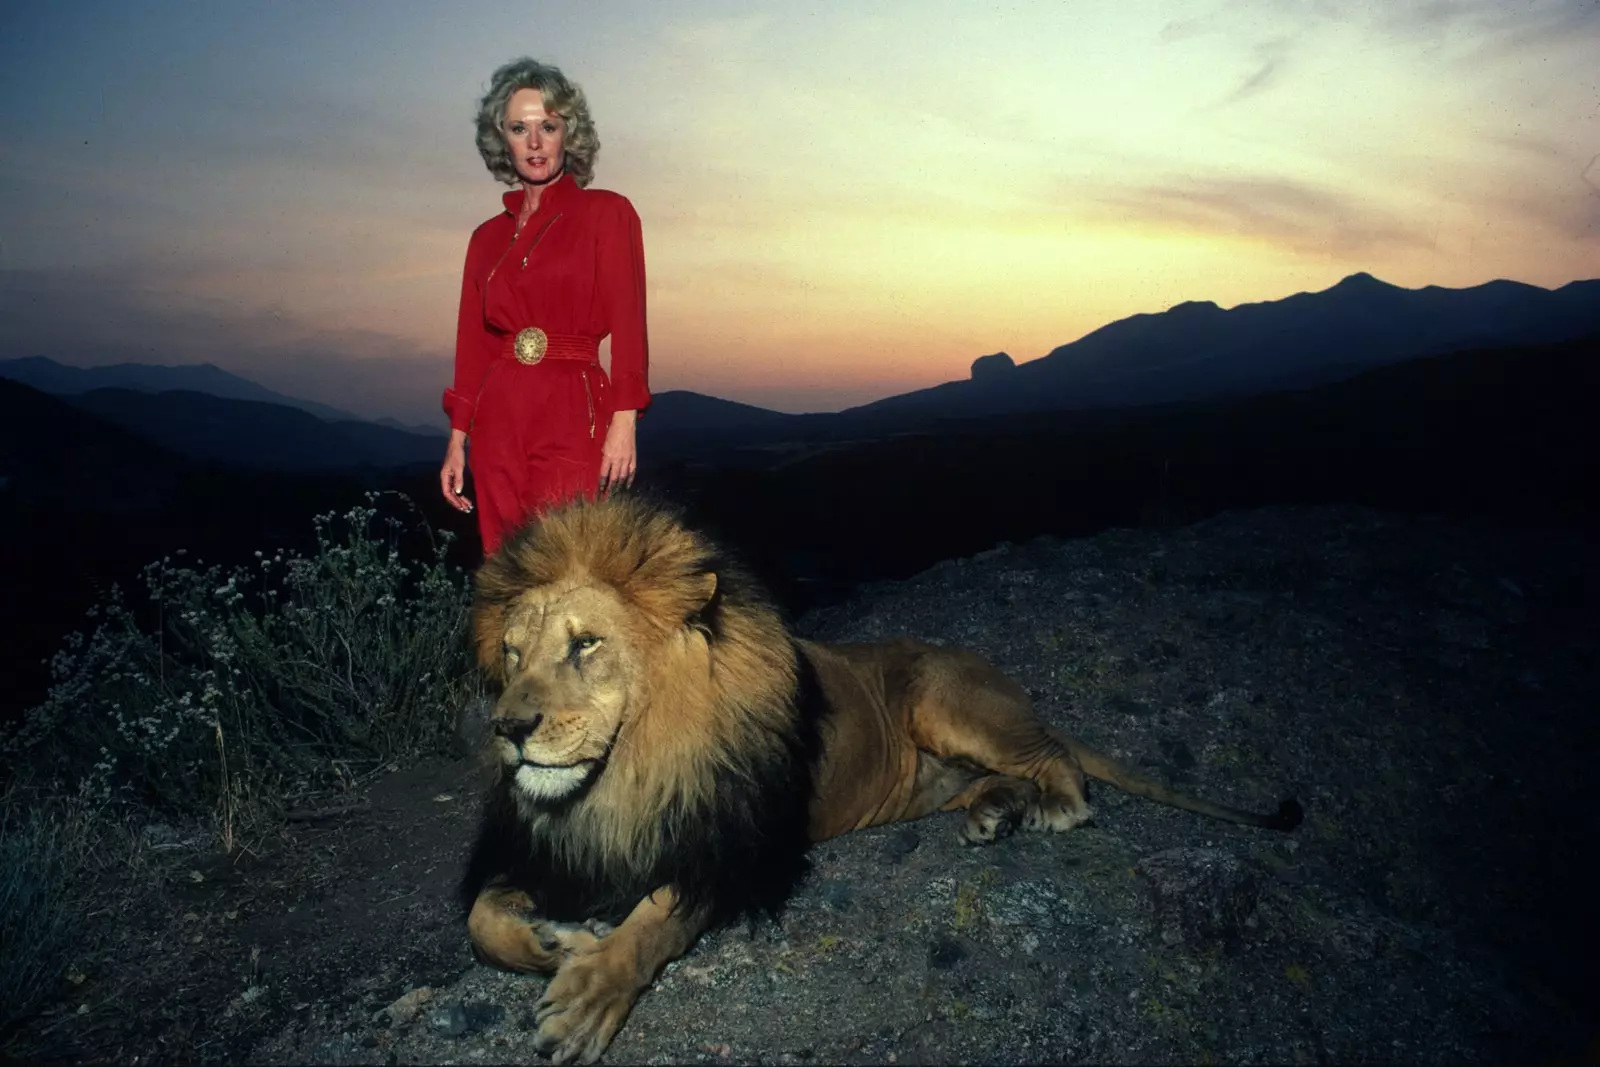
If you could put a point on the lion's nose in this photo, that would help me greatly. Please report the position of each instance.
(517, 730)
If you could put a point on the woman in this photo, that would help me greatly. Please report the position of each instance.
(545, 281)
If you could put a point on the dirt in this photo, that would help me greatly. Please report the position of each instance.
(1427, 690)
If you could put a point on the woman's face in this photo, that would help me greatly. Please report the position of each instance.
(534, 137)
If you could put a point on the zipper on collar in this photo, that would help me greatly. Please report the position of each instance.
(537, 238)
(499, 261)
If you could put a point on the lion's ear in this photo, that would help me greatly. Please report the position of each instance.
(703, 588)
(670, 594)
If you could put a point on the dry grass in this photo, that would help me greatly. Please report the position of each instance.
(210, 714)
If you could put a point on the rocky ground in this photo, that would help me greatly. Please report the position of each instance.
(1426, 689)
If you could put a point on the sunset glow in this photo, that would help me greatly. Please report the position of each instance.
(837, 206)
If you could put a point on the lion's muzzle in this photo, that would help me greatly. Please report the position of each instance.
(516, 730)
(541, 771)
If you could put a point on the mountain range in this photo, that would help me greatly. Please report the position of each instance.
(1199, 351)
(58, 379)
(255, 434)
(204, 412)
(1195, 351)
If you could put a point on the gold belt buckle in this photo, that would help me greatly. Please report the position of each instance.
(530, 345)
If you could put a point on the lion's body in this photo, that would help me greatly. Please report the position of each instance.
(669, 751)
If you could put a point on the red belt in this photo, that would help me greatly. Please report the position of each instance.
(533, 345)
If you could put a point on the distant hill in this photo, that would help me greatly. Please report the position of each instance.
(261, 436)
(1199, 351)
(1501, 434)
(681, 423)
(54, 457)
(84, 503)
(58, 379)
(412, 427)
(680, 410)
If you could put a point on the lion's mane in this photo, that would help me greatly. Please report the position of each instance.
(708, 792)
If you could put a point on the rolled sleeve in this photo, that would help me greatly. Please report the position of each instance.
(475, 348)
(622, 291)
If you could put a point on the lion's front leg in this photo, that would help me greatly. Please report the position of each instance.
(507, 934)
(591, 995)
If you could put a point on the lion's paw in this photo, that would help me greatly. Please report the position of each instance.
(598, 927)
(1057, 814)
(568, 938)
(582, 1009)
(987, 822)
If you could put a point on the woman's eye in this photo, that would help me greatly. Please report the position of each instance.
(549, 127)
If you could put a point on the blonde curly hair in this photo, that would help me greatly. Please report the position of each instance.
(560, 96)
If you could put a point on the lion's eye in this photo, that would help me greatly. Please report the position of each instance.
(582, 645)
(512, 656)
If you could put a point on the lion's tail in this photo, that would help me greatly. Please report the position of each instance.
(1099, 765)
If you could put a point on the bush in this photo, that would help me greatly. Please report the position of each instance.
(231, 686)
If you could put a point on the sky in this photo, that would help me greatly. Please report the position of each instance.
(841, 201)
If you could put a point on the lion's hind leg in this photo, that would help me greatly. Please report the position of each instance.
(963, 708)
(505, 933)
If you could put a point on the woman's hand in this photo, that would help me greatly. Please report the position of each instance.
(453, 473)
(619, 456)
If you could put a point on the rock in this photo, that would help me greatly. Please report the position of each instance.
(945, 952)
(837, 894)
(1202, 896)
(1031, 904)
(406, 1007)
(450, 1020)
(900, 844)
(1178, 754)
(988, 368)
(483, 1014)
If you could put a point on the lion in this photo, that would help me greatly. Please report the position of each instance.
(668, 752)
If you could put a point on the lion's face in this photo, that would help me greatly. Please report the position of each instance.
(569, 668)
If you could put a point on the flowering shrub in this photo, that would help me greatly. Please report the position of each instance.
(232, 685)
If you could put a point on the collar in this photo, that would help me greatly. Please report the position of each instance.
(555, 194)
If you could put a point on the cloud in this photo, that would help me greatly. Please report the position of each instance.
(1565, 203)
(1498, 29)
(1474, 30)
(1271, 57)
(1178, 30)
(1297, 216)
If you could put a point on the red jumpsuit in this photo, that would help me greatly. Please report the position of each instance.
(576, 271)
